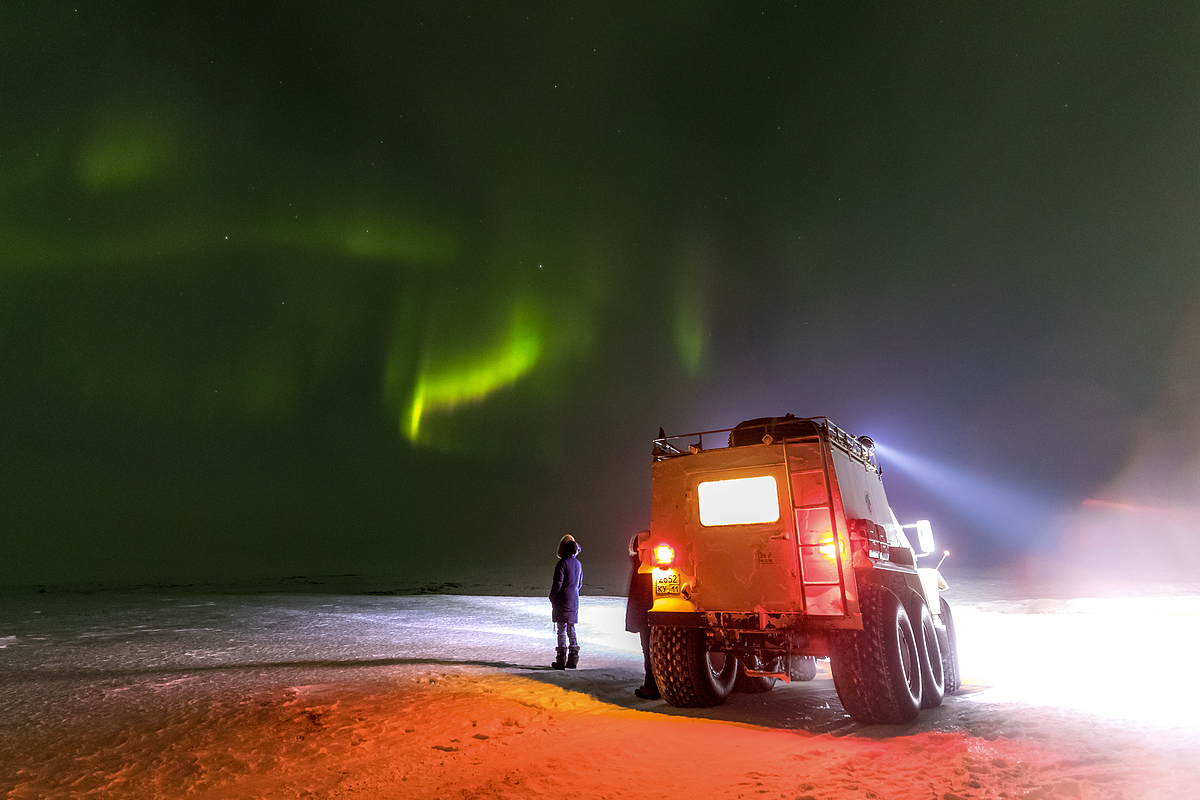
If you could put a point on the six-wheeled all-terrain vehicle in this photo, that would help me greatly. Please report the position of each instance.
(776, 547)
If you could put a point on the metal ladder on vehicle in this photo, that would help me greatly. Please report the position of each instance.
(815, 521)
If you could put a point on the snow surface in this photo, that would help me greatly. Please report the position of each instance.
(444, 696)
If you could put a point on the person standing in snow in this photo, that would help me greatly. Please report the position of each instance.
(564, 601)
(638, 601)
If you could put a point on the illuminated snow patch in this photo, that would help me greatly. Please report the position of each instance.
(604, 625)
(1131, 659)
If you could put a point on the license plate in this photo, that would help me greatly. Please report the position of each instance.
(667, 584)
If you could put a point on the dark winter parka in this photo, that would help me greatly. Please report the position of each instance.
(640, 597)
(568, 580)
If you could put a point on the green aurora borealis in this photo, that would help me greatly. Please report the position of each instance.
(299, 288)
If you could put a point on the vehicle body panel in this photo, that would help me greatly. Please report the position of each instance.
(799, 572)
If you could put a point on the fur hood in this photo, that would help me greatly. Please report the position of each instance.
(568, 547)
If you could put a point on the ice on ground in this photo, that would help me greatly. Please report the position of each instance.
(440, 696)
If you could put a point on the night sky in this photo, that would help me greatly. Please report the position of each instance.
(307, 288)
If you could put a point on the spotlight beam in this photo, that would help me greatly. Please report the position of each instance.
(1010, 513)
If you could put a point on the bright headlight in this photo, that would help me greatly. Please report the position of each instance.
(739, 501)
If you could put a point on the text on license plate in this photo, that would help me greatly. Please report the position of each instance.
(667, 584)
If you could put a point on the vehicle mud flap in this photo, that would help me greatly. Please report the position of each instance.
(688, 675)
(933, 675)
(877, 671)
(948, 640)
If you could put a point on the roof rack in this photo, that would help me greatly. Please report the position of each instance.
(665, 446)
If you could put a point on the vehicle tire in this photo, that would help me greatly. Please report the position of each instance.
(688, 675)
(933, 675)
(804, 668)
(748, 685)
(948, 640)
(877, 671)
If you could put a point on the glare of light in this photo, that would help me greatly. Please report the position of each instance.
(664, 554)
(602, 625)
(828, 548)
(1008, 512)
(1129, 658)
(450, 385)
(739, 501)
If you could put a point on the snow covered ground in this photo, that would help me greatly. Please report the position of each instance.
(448, 696)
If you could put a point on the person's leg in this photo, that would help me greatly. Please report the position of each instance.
(573, 648)
(649, 688)
(560, 652)
(650, 682)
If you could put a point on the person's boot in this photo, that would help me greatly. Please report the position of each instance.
(648, 692)
(560, 660)
(573, 658)
(649, 689)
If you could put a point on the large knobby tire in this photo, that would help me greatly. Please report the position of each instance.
(688, 675)
(877, 671)
(948, 640)
(933, 676)
(752, 685)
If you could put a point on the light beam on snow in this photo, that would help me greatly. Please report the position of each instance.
(1126, 658)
